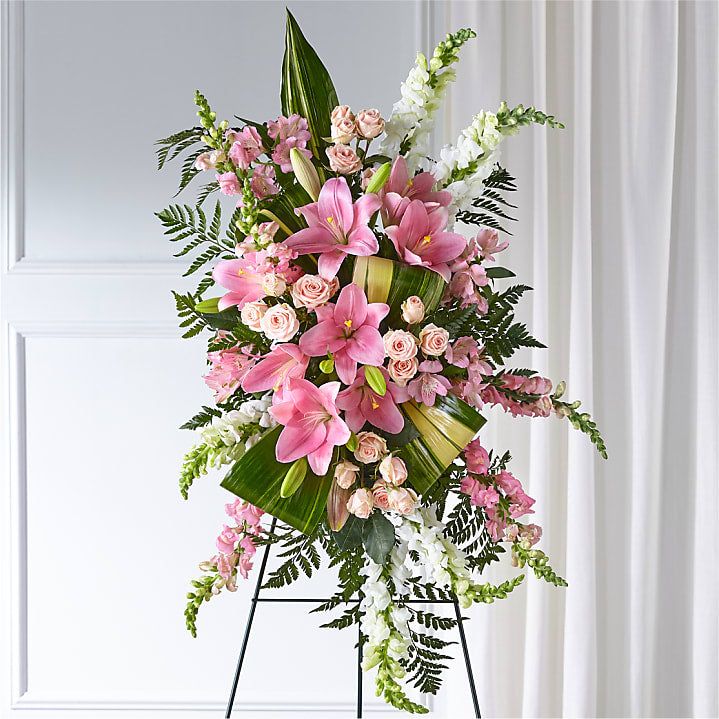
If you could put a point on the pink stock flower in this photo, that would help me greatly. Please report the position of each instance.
(283, 363)
(312, 426)
(337, 227)
(246, 148)
(420, 239)
(489, 244)
(229, 184)
(263, 182)
(429, 384)
(228, 369)
(227, 540)
(401, 189)
(348, 331)
(362, 404)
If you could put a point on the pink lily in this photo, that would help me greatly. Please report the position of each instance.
(420, 239)
(242, 280)
(401, 189)
(348, 331)
(284, 362)
(337, 227)
(312, 424)
(361, 404)
(429, 384)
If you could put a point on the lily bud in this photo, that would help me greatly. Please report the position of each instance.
(352, 442)
(294, 478)
(305, 173)
(379, 179)
(208, 307)
(337, 512)
(327, 366)
(375, 379)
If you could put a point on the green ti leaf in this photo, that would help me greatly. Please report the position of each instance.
(378, 537)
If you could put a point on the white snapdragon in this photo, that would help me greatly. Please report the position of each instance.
(463, 167)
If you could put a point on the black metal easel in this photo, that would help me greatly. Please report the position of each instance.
(253, 607)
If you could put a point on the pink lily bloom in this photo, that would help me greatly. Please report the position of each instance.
(362, 404)
(429, 384)
(284, 362)
(349, 332)
(420, 239)
(337, 227)
(242, 280)
(313, 426)
(401, 189)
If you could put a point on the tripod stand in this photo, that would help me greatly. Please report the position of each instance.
(256, 599)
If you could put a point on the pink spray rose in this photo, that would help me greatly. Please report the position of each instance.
(361, 503)
(346, 474)
(344, 129)
(343, 159)
(402, 371)
(402, 499)
(370, 124)
(311, 291)
(413, 310)
(400, 345)
(380, 495)
(433, 340)
(393, 470)
(370, 447)
(252, 314)
(280, 323)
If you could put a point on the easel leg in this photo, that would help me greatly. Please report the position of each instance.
(467, 661)
(248, 628)
(359, 674)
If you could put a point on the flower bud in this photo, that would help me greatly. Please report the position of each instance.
(294, 478)
(337, 512)
(327, 366)
(379, 178)
(305, 173)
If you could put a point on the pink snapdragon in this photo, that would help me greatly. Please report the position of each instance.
(228, 369)
(337, 227)
(536, 404)
(420, 239)
(429, 383)
(476, 457)
(349, 332)
(283, 363)
(229, 184)
(246, 515)
(288, 132)
(227, 539)
(312, 425)
(362, 404)
(246, 148)
(401, 189)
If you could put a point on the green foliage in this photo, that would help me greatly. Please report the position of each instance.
(192, 321)
(539, 563)
(581, 421)
(424, 664)
(491, 203)
(510, 120)
(299, 554)
(171, 147)
(194, 465)
(433, 621)
(202, 418)
(377, 537)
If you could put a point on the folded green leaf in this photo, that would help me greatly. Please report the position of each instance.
(392, 282)
(378, 536)
(443, 432)
(351, 533)
(307, 88)
(257, 478)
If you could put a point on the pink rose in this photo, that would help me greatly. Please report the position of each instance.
(413, 310)
(274, 285)
(433, 340)
(280, 323)
(252, 314)
(343, 159)
(344, 128)
(370, 447)
(380, 496)
(393, 470)
(346, 474)
(311, 291)
(402, 371)
(361, 503)
(402, 500)
(229, 184)
(400, 345)
(370, 124)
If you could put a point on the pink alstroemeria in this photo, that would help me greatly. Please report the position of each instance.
(401, 189)
(420, 239)
(313, 427)
(337, 227)
(348, 331)
(429, 383)
(362, 404)
(285, 362)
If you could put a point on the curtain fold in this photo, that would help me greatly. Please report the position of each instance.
(618, 234)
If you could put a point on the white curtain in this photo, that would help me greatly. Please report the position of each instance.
(617, 233)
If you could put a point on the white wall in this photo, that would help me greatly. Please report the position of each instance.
(97, 545)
